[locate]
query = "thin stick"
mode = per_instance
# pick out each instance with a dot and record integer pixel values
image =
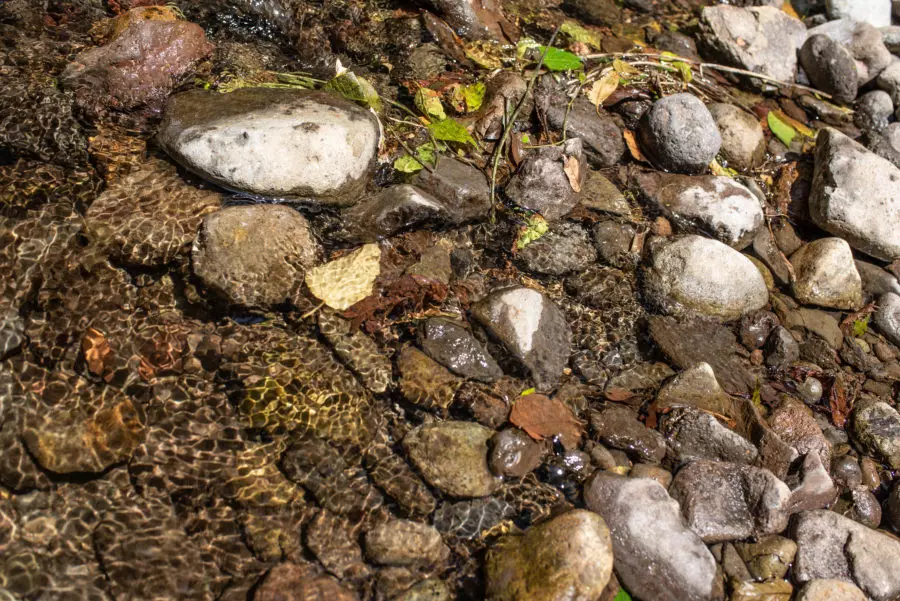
(410, 152)
(498, 150)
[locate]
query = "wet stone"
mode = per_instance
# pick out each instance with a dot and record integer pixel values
(456, 348)
(452, 457)
(462, 189)
(691, 433)
(860, 505)
(514, 453)
(774, 590)
(406, 543)
(300, 582)
(469, 519)
(756, 327)
(568, 557)
(357, 350)
(613, 242)
(769, 558)
(563, 249)
(424, 382)
(391, 211)
(618, 427)
(845, 471)
(543, 182)
(781, 349)
(876, 427)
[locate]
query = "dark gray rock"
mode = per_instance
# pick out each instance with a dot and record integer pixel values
(781, 349)
(855, 195)
(892, 508)
(462, 189)
(649, 537)
(755, 328)
(514, 453)
(391, 211)
(676, 43)
(531, 328)
(565, 247)
(860, 505)
(832, 546)
(618, 427)
(845, 471)
(830, 67)
(695, 434)
(456, 348)
(728, 501)
(541, 184)
(613, 242)
(761, 39)
(597, 12)
(471, 19)
(679, 134)
(260, 149)
(873, 110)
(603, 141)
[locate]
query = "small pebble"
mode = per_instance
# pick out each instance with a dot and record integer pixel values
(845, 471)
(810, 391)
(870, 477)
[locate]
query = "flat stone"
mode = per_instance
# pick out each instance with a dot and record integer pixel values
(826, 275)
(817, 322)
(876, 281)
(696, 275)
(773, 590)
(834, 547)
(728, 501)
(255, 255)
(274, 143)
(566, 247)
(569, 558)
(406, 543)
(760, 39)
(743, 142)
(713, 205)
(679, 134)
(649, 537)
(600, 194)
(462, 190)
(452, 457)
(769, 558)
(855, 196)
(531, 328)
(618, 427)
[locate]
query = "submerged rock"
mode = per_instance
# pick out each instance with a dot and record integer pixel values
(691, 274)
(457, 349)
(855, 195)
(276, 143)
(531, 328)
(254, 255)
(462, 189)
(563, 249)
(569, 558)
(649, 537)
(391, 211)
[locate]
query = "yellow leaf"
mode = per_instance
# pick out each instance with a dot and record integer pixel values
(603, 88)
(631, 142)
(622, 67)
(346, 281)
(790, 9)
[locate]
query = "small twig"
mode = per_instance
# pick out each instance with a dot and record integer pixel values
(312, 311)
(498, 150)
(410, 152)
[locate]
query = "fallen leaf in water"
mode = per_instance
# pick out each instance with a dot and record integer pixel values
(346, 281)
(542, 417)
(573, 171)
(96, 350)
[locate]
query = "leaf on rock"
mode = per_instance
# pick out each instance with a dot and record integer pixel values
(450, 130)
(838, 403)
(572, 169)
(542, 417)
(603, 88)
(622, 595)
(409, 164)
(355, 88)
(560, 60)
(580, 34)
(428, 101)
(347, 280)
(633, 148)
(535, 227)
(718, 169)
(781, 129)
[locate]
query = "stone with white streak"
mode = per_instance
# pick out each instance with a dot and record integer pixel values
(718, 206)
(856, 195)
(825, 275)
(532, 329)
(274, 143)
(696, 275)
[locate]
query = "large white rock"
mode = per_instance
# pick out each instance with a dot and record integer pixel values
(856, 195)
(650, 538)
(692, 274)
(825, 275)
(274, 143)
(874, 12)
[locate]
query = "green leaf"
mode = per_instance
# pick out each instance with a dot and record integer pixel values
(622, 595)
(861, 326)
(449, 130)
(527, 391)
(535, 227)
(526, 139)
(580, 34)
(355, 88)
(474, 96)
(424, 154)
(560, 60)
(686, 74)
(429, 102)
(780, 129)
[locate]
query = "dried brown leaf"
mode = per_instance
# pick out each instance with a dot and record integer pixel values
(542, 417)
(603, 88)
(631, 142)
(573, 171)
